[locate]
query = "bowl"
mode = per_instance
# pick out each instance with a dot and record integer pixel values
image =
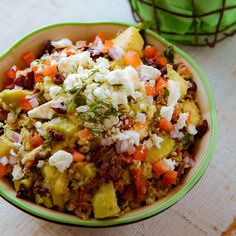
(86, 31)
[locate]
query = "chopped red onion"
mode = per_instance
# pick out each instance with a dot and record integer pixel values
(34, 103)
(116, 53)
(189, 161)
(16, 137)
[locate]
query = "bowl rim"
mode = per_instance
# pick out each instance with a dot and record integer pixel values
(150, 212)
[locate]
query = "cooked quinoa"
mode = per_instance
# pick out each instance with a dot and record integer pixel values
(98, 128)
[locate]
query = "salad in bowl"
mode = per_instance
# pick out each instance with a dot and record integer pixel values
(99, 128)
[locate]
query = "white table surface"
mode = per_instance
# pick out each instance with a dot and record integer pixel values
(211, 206)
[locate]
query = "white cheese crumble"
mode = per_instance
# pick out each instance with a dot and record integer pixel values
(110, 122)
(169, 164)
(174, 92)
(82, 109)
(140, 117)
(17, 172)
(43, 111)
(40, 164)
(72, 81)
(181, 123)
(4, 160)
(157, 141)
(61, 160)
(63, 43)
(54, 90)
(167, 112)
(130, 135)
(191, 129)
(149, 73)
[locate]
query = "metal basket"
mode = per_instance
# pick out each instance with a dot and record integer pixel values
(203, 22)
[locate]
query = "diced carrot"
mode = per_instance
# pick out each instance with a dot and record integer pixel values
(170, 177)
(85, 134)
(176, 112)
(189, 117)
(77, 156)
(49, 70)
(132, 59)
(140, 183)
(160, 168)
(107, 45)
(140, 153)
(138, 126)
(162, 60)
(38, 77)
(11, 73)
(34, 68)
(29, 164)
(25, 104)
(160, 85)
(150, 51)
(150, 90)
(4, 170)
(36, 140)
(28, 58)
(166, 125)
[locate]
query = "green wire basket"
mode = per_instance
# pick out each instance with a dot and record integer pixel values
(194, 22)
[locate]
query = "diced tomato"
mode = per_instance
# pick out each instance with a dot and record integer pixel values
(77, 156)
(4, 170)
(166, 125)
(140, 153)
(161, 59)
(36, 140)
(85, 134)
(170, 177)
(160, 85)
(150, 51)
(140, 183)
(25, 104)
(49, 70)
(38, 77)
(132, 59)
(160, 167)
(28, 58)
(11, 73)
(34, 68)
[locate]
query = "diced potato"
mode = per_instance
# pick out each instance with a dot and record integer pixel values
(6, 145)
(12, 97)
(130, 39)
(85, 169)
(173, 75)
(155, 154)
(195, 117)
(57, 183)
(46, 201)
(67, 127)
(105, 202)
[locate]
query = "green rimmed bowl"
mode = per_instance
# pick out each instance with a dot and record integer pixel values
(86, 31)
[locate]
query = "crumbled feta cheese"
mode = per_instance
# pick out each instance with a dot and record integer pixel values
(17, 172)
(4, 160)
(38, 125)
(72, 81)
(40, 164)
(102, 64)
(169, 164)
(82, 109)
(148, 143)
(166, 112)
(149, 73)
(1, 124)
(63, 43)
(181, 123)
(54, 90)
(157, 140)
(140, 117)
(110, 122)
(191, 129)
(61, 160)
(53, 63)
(174, 92)
(43, 111)
(119, 98)
(176, 133)
(130, 135)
